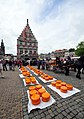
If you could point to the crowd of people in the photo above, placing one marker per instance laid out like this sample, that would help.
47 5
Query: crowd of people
6 65
64 64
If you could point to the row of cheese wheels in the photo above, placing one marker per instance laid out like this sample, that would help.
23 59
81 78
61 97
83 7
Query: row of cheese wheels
30 80
63 86
38 93
25 72
42 74
37 71
46 77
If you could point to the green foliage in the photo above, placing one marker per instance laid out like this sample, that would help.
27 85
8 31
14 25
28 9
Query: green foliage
80 49
71 50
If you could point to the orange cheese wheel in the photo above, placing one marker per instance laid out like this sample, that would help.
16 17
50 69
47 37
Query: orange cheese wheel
24 73
46 78
63 89
35 97
53 83
50 77
38 86
46 75
45 97
58 81
32 88
28 73
58 85
33 81
28 82
69 86
41 91
32 92
36 103
63 84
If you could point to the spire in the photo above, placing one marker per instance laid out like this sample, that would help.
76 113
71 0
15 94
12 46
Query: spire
2 44
27 21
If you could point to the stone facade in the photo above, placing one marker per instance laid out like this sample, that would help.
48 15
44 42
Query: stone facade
27 45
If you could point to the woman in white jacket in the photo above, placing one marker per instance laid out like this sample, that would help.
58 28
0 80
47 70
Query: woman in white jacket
1 69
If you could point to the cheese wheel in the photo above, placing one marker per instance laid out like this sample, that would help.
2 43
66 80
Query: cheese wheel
36 103
46 78
32 92
53 83
33 81
35 97
38 86
58 85
58 81
45 97
32 88
24 73
41 91
28 81
63 89
50 77
63 84
69 86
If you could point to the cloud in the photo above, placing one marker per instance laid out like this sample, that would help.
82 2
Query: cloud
56 24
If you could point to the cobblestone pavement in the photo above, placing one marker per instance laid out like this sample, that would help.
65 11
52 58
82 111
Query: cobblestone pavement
14 100
11 91
64 108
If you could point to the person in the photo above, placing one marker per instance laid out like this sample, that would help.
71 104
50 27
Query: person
4 65
43 64
13 65
39 63
1 69
10 65
66 67
80 65
47 64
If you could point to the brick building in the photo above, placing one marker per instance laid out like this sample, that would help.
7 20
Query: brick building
27 45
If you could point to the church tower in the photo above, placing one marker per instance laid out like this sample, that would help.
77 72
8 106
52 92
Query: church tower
27 45
2 48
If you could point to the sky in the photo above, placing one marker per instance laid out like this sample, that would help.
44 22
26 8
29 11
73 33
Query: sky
56 24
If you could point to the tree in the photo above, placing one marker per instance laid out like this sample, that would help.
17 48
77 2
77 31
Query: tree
71 50
80 49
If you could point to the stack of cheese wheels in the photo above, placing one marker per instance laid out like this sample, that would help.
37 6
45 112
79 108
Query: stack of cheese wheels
63 84
24 73
37 93
38 86
33 80
53 83
35 99
32 92
63 89
69 86
27 73
41 91
45 97
46 78
50 77
58 85
28 81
